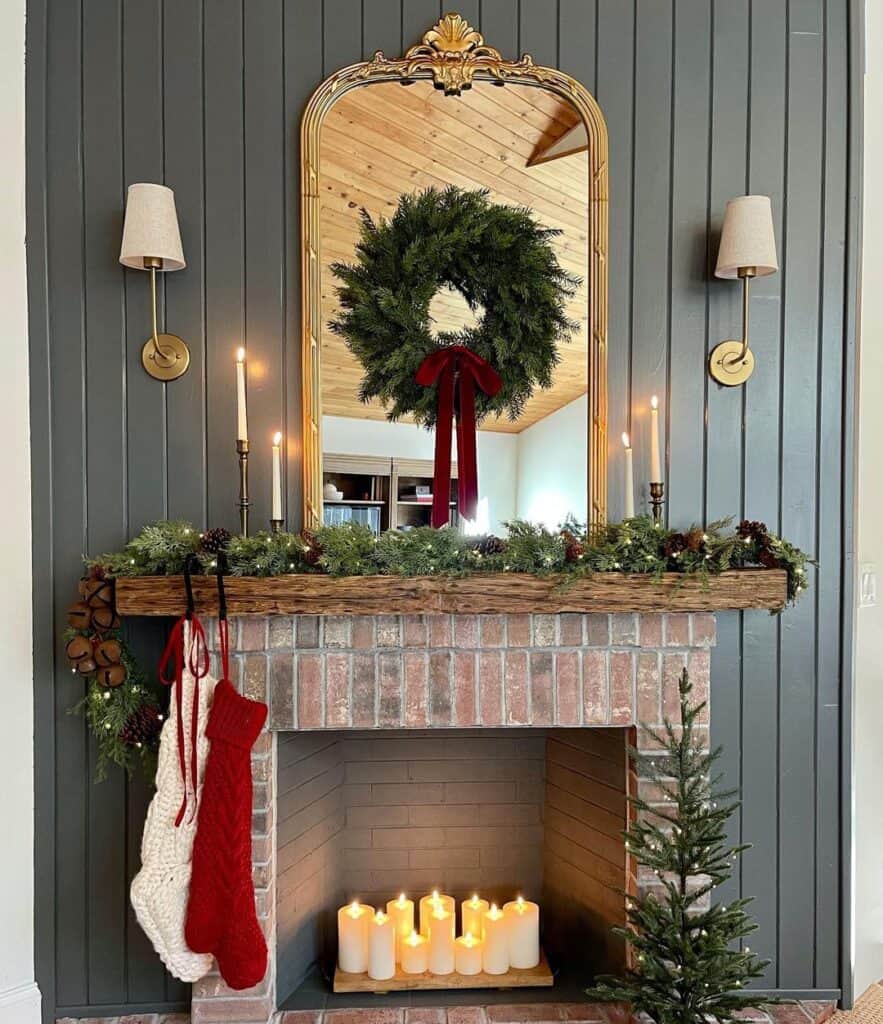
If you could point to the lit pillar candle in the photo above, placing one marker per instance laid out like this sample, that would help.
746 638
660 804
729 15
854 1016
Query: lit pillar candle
241 408
495 951
468 954
415 954
381 947
523 920
629 479
441 942
352 937
655 460
402 913
277 476
473 912
428 905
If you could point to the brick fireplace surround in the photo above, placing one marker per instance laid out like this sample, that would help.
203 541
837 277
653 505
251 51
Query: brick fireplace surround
446 672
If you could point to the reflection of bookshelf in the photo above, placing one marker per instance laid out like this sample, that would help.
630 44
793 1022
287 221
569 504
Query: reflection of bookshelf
411 477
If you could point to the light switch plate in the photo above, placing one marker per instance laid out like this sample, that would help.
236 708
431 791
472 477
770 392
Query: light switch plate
867 585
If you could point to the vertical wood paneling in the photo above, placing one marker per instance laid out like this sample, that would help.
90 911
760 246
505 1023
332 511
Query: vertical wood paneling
705 99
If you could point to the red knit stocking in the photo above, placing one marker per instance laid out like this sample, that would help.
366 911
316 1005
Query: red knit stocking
221 916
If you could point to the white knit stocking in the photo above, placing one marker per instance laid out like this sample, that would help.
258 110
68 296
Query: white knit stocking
160 890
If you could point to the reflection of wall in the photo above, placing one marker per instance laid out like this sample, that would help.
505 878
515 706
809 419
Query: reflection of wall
552 466
497 455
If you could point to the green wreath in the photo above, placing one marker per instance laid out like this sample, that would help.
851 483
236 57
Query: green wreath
502 262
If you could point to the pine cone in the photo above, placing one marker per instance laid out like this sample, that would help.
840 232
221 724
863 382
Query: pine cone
489 545
214 541
695 540
752 529
142 726
767 558
675 544
312 548
573 548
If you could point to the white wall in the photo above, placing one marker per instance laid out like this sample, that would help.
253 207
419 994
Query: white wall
19 997
868 709
497 455
552 466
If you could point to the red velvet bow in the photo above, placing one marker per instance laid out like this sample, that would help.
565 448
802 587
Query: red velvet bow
446 367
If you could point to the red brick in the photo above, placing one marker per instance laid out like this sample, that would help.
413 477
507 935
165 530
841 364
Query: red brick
624 629
570 629
567 685
440 688
699 667
465 1015
300 1017
363 632
518 630
137 1018
306 629
252 634
648 687
413 631
465 711
416 688
542 664
337 690
364 690
212 986
677 630
254 681
336 631
650 630
704 630
672 667
309 691
818 1010
493 630
791 1013
595 701
389 631
439 630
234 1011
490 687
466 631
425 1015
366 1016
598 630
522 1013
390 704
586 1012
517 696
622 668
281 691
174 1018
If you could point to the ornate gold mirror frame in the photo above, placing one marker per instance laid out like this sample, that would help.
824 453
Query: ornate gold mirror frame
453 55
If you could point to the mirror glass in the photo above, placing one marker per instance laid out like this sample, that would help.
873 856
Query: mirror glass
527 147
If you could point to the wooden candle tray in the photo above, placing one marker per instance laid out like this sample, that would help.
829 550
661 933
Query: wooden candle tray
530 977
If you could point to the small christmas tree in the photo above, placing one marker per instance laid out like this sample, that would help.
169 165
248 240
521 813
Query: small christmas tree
687 966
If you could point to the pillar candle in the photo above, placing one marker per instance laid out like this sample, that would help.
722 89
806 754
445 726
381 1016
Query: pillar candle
495 951
352 937
381 947
655 460
441 942
629 479
277 477
402 913
473 912
428 905
241 408
468 954
415 954
523 919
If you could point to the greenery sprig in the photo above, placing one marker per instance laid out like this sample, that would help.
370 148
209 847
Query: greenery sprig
635 546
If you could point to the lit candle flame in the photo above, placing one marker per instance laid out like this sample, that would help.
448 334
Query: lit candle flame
277 439
240 355
402 900
380 917
475 899
654 402
414 939
625 440
469 940
354 909
494 912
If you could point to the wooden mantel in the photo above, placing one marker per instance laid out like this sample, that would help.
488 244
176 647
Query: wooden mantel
479 594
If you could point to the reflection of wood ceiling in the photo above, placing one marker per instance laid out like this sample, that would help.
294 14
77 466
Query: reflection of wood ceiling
385 139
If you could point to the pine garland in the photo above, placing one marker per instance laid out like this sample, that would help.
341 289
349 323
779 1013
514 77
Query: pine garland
502 262
690 964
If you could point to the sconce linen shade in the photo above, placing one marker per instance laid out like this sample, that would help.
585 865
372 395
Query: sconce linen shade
747 238
151 228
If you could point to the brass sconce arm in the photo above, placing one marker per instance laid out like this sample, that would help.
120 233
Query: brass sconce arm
164 356
732 362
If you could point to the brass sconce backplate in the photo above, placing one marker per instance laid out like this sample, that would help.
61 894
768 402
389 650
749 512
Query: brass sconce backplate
728 366
170 362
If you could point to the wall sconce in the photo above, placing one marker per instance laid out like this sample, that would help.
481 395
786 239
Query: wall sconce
747 250
152 241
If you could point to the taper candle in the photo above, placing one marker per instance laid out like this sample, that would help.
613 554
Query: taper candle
495 951
381 947
241 406
352 937
429 903
523 919
472 912
467 954
415 954
277 476
655 460
629 479
402 913
441 941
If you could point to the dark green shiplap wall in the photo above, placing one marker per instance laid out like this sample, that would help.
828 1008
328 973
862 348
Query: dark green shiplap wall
704 99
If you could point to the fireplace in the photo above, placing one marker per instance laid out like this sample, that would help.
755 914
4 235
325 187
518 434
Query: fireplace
462 752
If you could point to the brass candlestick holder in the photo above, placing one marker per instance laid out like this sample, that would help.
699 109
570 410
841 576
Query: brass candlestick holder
657 498
275 525
244 502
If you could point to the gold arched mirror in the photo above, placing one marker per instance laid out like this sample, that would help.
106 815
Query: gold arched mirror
453 112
